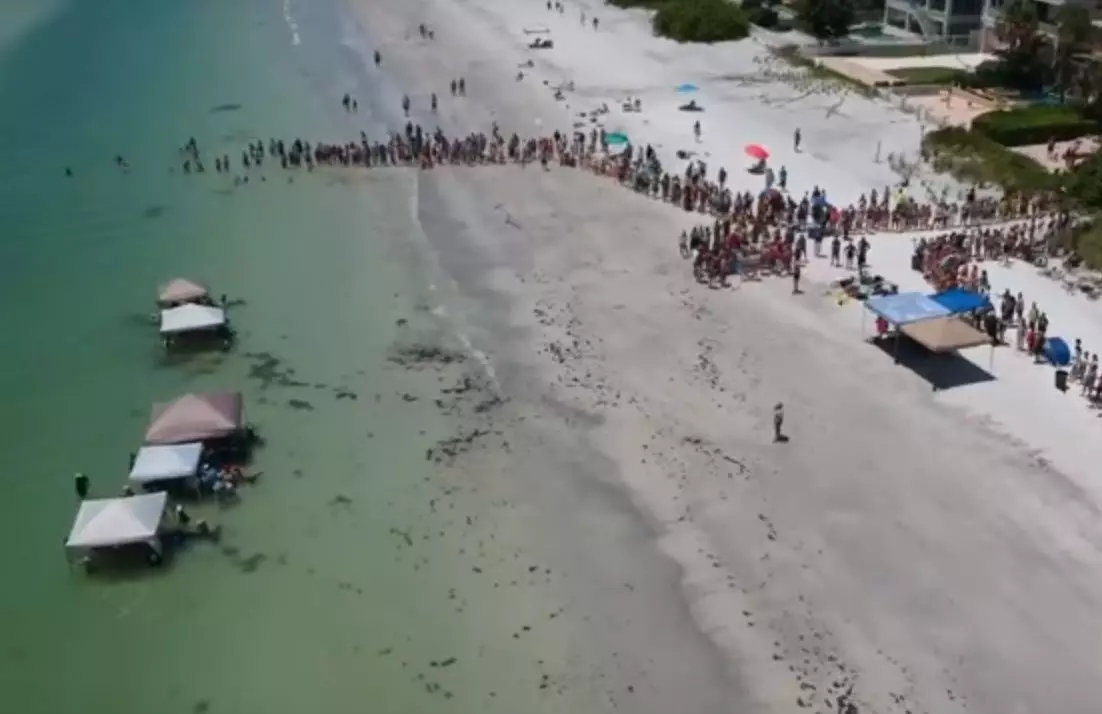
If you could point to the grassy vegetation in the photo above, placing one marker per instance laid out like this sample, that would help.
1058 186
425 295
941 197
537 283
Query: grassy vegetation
942 76
975 158
704 21
1023 126
792 55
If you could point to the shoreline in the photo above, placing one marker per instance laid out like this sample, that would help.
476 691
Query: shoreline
855 563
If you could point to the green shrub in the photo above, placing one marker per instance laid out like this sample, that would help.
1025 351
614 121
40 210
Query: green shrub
765 17
942 76
1035 125
700 21
627 4
1087 243
1084 183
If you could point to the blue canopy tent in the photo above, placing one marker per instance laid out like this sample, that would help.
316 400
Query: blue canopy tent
929 322
905 308
959 301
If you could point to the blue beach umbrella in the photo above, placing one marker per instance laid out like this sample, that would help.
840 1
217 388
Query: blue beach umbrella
616 138
686 88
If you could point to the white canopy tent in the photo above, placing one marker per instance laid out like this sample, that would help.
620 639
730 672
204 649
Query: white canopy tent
117 521
166 462
191 318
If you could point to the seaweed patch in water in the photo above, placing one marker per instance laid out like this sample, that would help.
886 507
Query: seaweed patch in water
416 355
269 369
221 108
154 212
300 404
245 565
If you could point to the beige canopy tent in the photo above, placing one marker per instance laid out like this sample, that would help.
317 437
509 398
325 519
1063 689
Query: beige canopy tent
109 522
181 290
196 417
945 334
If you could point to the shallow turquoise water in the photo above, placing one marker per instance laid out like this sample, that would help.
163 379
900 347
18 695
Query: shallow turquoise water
322 596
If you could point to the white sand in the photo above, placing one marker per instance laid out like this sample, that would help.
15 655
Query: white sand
937 549
967 60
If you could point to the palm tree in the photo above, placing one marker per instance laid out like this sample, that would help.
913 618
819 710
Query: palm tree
1025 60
1073 38
1017 27
1088 87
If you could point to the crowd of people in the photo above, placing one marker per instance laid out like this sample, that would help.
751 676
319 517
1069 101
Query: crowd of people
952 260
770 231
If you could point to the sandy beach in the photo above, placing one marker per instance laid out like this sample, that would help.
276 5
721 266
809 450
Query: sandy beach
906 551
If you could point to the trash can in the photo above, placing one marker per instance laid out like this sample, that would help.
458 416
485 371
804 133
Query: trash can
1062 380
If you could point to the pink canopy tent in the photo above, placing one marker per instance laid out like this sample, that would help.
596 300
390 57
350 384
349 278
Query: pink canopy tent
196 417
181 290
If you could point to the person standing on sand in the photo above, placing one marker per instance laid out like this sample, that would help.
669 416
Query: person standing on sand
796 139
596 24
778 422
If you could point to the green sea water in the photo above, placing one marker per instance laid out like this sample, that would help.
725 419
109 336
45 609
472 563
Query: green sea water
335 586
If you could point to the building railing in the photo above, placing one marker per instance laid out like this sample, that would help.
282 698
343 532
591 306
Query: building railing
917 10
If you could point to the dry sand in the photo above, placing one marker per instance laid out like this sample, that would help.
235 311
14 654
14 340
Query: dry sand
914 546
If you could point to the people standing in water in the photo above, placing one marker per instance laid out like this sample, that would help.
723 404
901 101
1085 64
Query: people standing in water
378 58
82 484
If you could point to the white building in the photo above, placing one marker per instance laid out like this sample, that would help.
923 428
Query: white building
936 19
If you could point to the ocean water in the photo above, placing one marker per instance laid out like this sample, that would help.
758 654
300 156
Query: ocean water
342 581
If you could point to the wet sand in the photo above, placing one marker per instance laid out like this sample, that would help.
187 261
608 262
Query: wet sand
896 554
